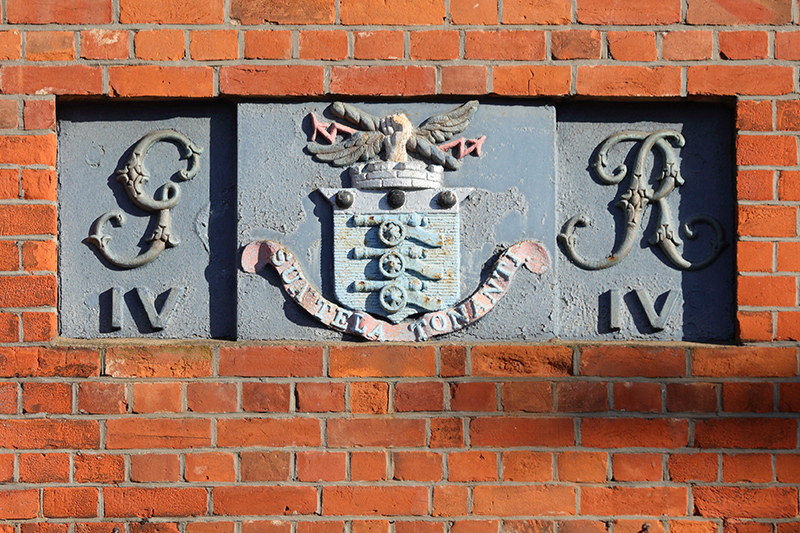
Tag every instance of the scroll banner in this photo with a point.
(530, 254)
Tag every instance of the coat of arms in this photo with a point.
(396, 229)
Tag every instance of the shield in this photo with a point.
(396, 252)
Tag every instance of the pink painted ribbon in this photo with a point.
(530, 254)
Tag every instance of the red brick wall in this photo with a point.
(218, 437)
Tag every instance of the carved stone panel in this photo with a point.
(147, 221)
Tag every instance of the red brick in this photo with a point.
(787, 468)
(691, 397)
(44, 468)
(576, 44)
(104, 44)
(419, 527)
(19, 504)
(450, 500)
(69, 502)
(789, 185)
(607, 80)
(211, 397)
(28, 150)
(754, 326)
(392, 12)
(787, 45)
(527, 466)
(747, 397)
(375, 432)
(99, 468)
(322, 44)
(756, 256)
(724, 80)
(766, 150)
(540, 80)
(788, 115)
(632, 45)
(693, 467)
(77, 12)
(615, 501)
(637, 467)
(582, 526)
(687, 45)
(536, 12)
(384, 81)
(158, 361)
(102, 398)
(321, 466)
(210, 466)
(523, 500)
(320, 397)
(767, 291)
(743, 45)
(271, 361)
(268, 432)
(747, 467)
(9, 255)
(160, 45)
(473, 397)
(385, 501)
(583, 467)
(746, 433)
(148, 502)
(155, 467)
(151, 80)
(156, 397)
(40, 527)
(10, 45)
(528, 526)
(132, 433)
(637, 396)
(62, 79)
(692, 526)
(49, 362)
(367, 466)
(624, 361)
(266, 526)
(494, 360)
(265, 466)
(419, 396)
(307, 12)
(370, 526)
(369, 397)
(447, 433)
(533, 397)
(507, 431)
(582, 397)
(434, 45)
(379, 44)
(214, 45)
(523, 45)
(744, 361)
(382, 361)
(463, 79)
(730, 502)
(6, 469)
(634, 432)
(755, 185)
(47, 398)
(320, 527)
(472, 466)
(789, 397)
(733, 12)
(184, 12)
(159, 527)
(39, 256)
(742, 526)
(602, 12)
(268, 44)
(266, 397)
(754, 115)
(9, 115)
(9, 327)
(8, 398)
(477, 12)
(417, 466)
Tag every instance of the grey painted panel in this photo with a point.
(94, 142)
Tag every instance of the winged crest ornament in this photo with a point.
(396, 264)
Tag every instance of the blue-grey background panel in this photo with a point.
(514, 200)
(705, 308)
(94, 142)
